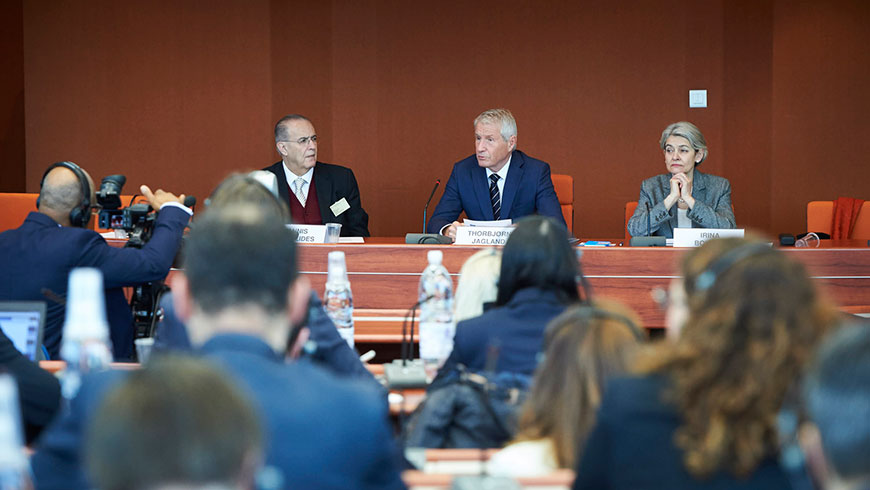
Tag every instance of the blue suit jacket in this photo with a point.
(632, 446)
(517, 328)
(332, 352)
(527, 190)
(40, 254)
(321, 432)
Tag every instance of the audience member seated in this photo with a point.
(837, 401)
(477, 287)
(537, 281)
(38, 390)
(702, 200)
(702, 412)
(179, 423)
(37, 256)
(242, 302)
(585, 346)
(327, 347)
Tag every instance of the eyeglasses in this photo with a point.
(304, 140)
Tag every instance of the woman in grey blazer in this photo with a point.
(683, 197)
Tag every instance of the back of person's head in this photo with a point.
(584, 347)
(240, 256)
(177, 422)
(249, 189)
(478, 284)
(837, 399)
(754, 318)
(537, 254)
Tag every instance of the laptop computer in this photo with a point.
(24, 322)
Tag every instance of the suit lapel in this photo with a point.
(481, 191)
(324, 191)
(283, 190)
(512, 184)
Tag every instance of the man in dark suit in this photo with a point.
(240, 298)
(316, 192)
(497, 182)
(37, 257)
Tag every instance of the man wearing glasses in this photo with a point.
(316, 192)
(36, 257)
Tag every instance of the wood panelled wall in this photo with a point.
(178, 94)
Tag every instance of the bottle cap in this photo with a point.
(435, 256)
(85, 306)
(336, 268)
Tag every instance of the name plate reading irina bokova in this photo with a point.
(309, 233)
(695, 237)
(482, 235)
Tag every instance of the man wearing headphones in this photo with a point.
(36, 257)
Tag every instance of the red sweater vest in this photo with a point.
(308, 215)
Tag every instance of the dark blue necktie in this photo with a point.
(494, 196)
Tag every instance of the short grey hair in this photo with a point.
(690, 132)
(281, 127)
(503, 116)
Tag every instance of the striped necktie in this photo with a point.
(300, 194)
(494, 196)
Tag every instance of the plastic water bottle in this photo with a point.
(337, 299)
(14, 468)
(436, 313)
(85, 345)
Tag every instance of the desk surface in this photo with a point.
(384, 275)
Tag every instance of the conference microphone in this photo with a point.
(189, 201)
(426, 207)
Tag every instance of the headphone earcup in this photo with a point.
(76, 218)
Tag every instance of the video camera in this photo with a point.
(136, 219)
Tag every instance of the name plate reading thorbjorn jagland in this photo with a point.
(309, 233)
(482, 235)
(695, 237)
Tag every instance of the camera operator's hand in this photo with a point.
(161, 197)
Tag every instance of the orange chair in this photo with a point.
(14, 207)
(820, 217)
(564, 185)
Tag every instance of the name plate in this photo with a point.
(483, 235)
(309, 233)
(695, 237)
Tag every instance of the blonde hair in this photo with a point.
(478, 284)
(499, 116)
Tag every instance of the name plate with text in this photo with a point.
(482, 235)
(309, 233)
(695, 237)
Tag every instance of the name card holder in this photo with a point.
(309, 233)
(695, 237)
(482, 235)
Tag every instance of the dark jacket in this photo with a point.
(333, 183)
(516, 329)
(527, 190)
(632, 446)
(321, 432)
(39, 255)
